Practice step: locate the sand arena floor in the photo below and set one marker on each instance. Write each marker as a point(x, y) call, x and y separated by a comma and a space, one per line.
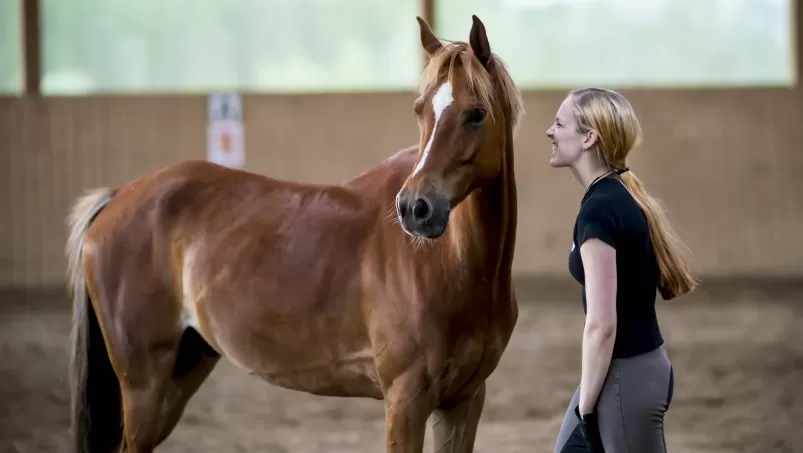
point(738, 360)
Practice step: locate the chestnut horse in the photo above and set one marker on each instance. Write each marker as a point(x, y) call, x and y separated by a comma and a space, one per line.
point(393, 285)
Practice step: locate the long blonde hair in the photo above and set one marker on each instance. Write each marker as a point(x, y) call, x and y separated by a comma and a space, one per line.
point(611, 116)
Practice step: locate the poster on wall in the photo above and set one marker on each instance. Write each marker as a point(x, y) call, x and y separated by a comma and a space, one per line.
point(225, 135)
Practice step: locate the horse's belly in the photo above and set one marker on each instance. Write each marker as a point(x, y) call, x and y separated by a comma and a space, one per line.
point(308, 368)
point(344, 379)
point(306, 352)
point(302, 336)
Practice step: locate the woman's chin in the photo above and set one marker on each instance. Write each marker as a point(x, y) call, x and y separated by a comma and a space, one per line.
point(555, 162)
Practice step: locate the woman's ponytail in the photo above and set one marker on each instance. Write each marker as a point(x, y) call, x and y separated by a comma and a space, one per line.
point(673, 256)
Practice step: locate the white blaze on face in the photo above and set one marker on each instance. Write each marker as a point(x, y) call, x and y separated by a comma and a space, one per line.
point(442, 99)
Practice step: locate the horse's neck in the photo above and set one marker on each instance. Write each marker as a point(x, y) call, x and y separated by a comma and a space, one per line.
point(487, 220)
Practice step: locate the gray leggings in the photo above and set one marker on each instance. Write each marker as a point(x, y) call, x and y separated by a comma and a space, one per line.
point(630, 409)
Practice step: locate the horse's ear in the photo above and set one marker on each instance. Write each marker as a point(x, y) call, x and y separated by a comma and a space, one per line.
point(479, 41)
point(430, 42)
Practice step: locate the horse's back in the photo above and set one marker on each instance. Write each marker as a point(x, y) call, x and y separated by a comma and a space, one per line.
point(153, 221)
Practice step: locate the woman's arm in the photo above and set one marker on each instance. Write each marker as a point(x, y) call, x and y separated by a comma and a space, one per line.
point(599, 262)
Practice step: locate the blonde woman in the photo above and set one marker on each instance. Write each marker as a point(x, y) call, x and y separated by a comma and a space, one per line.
point(624, 251)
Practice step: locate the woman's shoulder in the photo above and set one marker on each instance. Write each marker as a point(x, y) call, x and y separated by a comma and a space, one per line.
point(612, 204)
point(598, 208)
point(598, 218)
point(609, 207)
point(610, 194)
point(605, 198)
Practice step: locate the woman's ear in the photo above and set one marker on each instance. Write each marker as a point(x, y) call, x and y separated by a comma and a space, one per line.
point(590, 139)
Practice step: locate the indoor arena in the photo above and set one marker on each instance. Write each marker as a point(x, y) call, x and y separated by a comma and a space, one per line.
point(100, 94)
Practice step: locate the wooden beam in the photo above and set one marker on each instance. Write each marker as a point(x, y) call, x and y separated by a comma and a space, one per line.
point(797, 35)
point(428, 14)
point(428, 11)
point(31, 47)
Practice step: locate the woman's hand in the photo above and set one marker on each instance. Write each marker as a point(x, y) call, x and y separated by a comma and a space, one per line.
point(590, 430)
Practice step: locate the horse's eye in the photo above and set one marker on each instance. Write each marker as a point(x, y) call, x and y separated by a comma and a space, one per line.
point(475, 116)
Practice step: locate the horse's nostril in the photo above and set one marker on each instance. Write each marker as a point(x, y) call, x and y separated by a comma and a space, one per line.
point(421, 210)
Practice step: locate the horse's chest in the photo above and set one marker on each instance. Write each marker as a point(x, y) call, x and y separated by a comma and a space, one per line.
point(473, 346)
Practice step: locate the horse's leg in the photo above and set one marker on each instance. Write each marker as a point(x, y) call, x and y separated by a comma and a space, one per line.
point(408, 405)
point(455, 426)
point(145, 349)
point(194, 363)
point(143, 387)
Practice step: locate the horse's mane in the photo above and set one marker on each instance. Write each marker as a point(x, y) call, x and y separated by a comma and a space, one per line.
point(442, 64)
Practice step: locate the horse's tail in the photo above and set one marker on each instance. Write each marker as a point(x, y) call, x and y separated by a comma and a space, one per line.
point(96, 409)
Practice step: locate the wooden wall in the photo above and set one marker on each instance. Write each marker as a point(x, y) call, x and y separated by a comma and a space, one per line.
point(724, 161)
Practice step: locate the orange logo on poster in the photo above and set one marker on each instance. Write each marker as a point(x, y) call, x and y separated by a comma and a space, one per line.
point(225, 141)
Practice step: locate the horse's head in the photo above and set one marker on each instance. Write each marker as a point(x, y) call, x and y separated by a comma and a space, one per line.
point(468, 106)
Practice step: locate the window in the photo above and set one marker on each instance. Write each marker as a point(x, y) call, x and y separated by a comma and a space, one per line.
point(671, 43)
point(10, 47)
point(135, 46)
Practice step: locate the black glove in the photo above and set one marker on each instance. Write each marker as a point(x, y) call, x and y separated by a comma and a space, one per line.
point(590, 430)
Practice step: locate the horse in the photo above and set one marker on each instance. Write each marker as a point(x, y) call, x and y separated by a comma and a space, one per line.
point(393, 285)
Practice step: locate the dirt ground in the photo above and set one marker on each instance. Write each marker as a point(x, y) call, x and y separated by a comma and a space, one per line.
point(738, 360)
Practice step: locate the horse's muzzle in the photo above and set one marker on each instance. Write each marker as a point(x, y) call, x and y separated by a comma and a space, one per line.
point(423, 214)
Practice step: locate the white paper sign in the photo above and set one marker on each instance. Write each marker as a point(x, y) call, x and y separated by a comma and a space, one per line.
point(225, 135)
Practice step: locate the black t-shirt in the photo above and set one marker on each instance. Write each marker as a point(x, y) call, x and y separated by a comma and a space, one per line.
point(609, 213)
